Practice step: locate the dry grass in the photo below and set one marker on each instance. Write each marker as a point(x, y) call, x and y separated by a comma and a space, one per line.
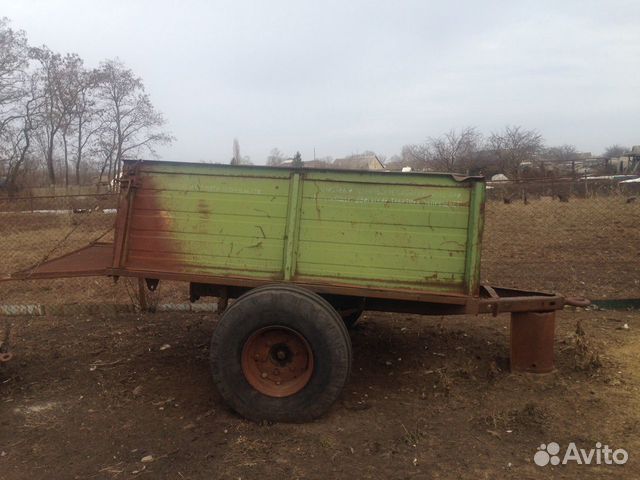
point(586, 354)
point(530, 416)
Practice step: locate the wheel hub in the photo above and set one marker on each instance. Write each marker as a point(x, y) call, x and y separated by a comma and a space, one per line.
point(277, 361)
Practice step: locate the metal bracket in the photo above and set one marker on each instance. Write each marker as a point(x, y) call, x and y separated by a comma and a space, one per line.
point(495, 306)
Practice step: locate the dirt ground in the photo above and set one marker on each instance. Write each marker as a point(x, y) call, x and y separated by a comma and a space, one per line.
point(429, 397)
point(587, 247)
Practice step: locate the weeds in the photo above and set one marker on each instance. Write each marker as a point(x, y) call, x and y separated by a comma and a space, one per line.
point(414, 436)
point(586, 356)
point(443, 381)
point(530, 417)
point(140, 296)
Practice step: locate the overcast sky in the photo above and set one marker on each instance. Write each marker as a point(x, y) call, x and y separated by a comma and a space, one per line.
point(348, 76)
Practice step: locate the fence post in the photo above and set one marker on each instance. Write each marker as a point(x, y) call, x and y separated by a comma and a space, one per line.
point(586, 187)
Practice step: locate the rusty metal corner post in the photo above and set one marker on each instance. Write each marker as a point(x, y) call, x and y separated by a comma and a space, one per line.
point(532, 340)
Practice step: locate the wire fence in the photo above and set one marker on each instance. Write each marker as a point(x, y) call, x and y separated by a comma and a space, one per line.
point(35, 228)
point(574, 236)
point(570, 237)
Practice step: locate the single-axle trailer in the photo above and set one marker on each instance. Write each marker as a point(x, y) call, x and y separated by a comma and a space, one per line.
point(304, 252)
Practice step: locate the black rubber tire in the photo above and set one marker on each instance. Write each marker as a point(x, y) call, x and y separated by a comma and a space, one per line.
point(298, 309)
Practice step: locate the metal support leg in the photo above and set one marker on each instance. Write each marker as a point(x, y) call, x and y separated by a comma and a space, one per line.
point(532, 338)
point(142, 295)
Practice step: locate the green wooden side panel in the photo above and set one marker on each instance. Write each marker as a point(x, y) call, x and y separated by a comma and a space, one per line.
point(360, 229)
point(191, 220)
point(385, 235)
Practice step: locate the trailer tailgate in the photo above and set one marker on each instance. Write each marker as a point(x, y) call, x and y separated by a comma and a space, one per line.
point(93, 260)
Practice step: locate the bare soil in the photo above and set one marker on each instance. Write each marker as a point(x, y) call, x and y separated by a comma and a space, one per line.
point(587, 247)
point(429, 397)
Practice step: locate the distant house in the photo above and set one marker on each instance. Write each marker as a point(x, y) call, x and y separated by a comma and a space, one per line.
point(627, 162)
point(594, 163)
point(359, 162)
point(285, 163)
point(308, 164)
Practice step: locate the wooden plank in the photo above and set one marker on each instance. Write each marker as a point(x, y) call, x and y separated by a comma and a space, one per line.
point(398, 236)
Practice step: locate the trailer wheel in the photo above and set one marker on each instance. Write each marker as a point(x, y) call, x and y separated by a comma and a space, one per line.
point(280, 353)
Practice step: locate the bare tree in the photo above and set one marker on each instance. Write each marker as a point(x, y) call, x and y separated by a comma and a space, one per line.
point(615, 150)
point(414, 156)
point(59, 102)
point(104, 148)
point(68, 91)
point(563, 155)
point(49, 64)
point(417, 155)
point(19, 136)
point(13, 62)
point(454, 150)
point(276, 157)
point(53, 109)
point(513, 146)
point(128, 114)
point(87, 115)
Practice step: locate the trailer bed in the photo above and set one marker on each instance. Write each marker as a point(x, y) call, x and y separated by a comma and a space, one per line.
point(410, 235)
point(406, 242)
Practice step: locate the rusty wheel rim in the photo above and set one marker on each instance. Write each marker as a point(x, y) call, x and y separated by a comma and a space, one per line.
point(277, 361)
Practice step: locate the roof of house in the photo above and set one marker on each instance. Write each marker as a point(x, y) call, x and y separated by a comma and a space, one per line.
point(358, 162)
point(635, 151)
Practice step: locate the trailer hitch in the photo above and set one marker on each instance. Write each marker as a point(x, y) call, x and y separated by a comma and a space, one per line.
point(577, 301)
